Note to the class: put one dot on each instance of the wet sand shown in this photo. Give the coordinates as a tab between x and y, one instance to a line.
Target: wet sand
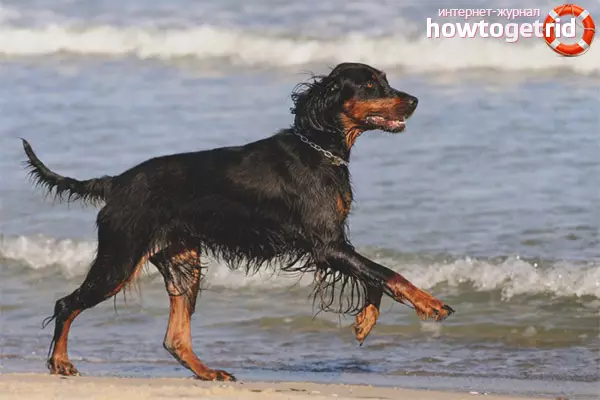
38	386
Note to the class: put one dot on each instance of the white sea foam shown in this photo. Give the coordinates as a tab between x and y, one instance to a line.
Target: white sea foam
249	48
72	257
512	276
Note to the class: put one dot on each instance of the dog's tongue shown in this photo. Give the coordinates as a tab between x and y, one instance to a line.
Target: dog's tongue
396	123
388	123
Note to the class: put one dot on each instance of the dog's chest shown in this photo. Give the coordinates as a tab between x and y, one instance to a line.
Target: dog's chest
343	204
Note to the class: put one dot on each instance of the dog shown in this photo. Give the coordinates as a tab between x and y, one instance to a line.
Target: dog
282	201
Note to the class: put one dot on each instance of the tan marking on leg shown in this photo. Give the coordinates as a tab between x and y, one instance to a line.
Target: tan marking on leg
187	255
426	306
178	338
133	276
367	318
364	322
59	363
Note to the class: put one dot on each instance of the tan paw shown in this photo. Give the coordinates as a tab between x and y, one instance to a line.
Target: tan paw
216	375
364	322
429	307
62	367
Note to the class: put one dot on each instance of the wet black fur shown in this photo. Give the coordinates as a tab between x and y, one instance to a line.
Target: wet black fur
270	202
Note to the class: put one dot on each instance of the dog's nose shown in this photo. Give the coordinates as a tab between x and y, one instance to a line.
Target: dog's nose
411	103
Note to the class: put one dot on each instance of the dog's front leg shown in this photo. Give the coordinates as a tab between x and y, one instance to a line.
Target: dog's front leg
367	318
345	259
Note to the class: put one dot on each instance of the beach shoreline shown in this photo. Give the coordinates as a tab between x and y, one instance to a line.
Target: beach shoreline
40	386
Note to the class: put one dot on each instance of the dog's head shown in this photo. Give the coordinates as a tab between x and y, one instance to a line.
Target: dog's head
352	99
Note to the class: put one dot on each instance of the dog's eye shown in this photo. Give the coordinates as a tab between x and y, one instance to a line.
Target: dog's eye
370	85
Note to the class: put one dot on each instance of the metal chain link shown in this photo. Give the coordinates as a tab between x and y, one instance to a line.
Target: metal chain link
334	159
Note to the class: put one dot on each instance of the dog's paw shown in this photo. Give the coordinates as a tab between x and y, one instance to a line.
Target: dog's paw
428	307
62	367
224	376
364	322
216	375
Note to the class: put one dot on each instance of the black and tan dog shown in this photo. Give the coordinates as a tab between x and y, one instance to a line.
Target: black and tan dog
279	201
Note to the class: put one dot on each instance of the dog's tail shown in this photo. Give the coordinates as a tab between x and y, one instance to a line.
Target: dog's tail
92	191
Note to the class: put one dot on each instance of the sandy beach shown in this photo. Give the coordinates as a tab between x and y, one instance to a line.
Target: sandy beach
38	386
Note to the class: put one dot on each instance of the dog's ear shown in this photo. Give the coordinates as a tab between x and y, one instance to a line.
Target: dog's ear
315	102
332	94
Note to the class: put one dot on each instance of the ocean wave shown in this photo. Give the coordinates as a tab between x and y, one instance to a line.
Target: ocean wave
510	275
8	14
259	49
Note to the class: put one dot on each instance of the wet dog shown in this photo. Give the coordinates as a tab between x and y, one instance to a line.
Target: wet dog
282	201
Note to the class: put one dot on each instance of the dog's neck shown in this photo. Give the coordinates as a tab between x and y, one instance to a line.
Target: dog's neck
330	140
337	138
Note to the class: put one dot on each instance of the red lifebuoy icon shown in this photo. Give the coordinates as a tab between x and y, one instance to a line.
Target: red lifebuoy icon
589	30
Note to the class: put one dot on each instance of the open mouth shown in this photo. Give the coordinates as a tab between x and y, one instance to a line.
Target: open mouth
387	124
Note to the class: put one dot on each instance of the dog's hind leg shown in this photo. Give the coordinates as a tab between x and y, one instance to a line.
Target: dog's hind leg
182	272
115	265
367	318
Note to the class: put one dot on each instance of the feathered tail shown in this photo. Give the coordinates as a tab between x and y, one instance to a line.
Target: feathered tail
91	191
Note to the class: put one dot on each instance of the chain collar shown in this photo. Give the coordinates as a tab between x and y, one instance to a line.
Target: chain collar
335	160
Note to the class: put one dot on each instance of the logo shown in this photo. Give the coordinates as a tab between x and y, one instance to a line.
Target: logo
563	35
552	31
